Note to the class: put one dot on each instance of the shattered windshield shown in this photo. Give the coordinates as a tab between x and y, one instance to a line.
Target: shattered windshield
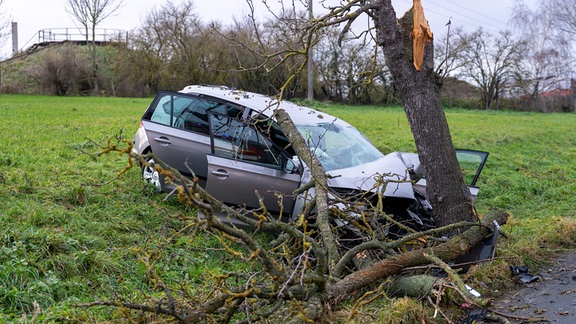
337	146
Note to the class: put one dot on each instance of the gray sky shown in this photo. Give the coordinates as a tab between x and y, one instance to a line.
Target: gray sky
34	15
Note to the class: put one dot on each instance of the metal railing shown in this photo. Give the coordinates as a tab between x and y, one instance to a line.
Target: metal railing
78	34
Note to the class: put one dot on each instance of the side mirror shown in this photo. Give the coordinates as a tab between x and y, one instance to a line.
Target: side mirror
292	165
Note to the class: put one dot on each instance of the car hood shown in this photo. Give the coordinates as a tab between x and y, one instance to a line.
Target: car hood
390	170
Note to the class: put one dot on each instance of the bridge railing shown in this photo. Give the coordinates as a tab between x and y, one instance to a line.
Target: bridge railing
79	34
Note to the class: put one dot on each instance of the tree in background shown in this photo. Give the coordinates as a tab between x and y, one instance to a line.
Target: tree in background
490	62
3	24
448	64
548	51
351	70
175	48
565	13
89	13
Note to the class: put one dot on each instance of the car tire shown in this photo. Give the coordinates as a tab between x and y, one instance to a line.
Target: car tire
151	175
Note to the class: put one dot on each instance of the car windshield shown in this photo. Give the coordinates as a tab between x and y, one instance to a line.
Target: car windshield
337	146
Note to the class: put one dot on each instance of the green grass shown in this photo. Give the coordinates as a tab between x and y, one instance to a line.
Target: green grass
66	239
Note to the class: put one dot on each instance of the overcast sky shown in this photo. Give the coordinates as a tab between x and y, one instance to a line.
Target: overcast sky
34	15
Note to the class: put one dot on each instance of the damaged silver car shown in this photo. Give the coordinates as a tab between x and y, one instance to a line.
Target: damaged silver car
230	141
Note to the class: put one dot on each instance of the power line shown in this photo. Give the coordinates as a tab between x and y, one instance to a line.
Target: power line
439	14
476	12
468	19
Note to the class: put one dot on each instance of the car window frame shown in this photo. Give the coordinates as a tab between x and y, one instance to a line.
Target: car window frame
149	113
482	155
246	122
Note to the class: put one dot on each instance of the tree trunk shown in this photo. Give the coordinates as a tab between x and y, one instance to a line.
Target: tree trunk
420	94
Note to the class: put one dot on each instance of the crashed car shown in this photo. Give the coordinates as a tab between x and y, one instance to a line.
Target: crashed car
230	141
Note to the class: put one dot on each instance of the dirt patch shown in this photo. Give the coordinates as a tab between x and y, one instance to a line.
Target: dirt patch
551	299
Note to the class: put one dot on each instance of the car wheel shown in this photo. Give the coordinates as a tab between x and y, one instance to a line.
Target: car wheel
151	175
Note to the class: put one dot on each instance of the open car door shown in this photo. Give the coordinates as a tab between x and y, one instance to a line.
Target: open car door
243	162
471	163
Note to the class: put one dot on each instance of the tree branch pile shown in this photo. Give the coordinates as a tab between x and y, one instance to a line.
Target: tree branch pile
305	269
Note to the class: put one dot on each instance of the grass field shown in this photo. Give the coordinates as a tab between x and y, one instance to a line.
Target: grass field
71	233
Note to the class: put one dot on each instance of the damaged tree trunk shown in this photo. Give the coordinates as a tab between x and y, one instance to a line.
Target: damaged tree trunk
420	94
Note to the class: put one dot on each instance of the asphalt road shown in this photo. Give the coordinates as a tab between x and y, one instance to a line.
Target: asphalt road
552	299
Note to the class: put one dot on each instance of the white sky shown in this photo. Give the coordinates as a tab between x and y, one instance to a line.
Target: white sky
34	15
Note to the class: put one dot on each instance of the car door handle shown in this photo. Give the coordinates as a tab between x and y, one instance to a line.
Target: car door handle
163	140
221	174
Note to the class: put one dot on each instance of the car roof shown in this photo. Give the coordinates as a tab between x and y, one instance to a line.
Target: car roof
266	105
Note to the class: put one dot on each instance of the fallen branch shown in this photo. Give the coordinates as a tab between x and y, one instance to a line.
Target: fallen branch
448	251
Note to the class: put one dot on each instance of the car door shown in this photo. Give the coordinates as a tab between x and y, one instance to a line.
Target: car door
177	128
244	161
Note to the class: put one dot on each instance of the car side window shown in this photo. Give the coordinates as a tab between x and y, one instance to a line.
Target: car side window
273	132
163	111
226	110
235	139
190	114
182	111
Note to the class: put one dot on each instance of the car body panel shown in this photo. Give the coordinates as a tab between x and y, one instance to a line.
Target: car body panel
367	177
236	182
179	148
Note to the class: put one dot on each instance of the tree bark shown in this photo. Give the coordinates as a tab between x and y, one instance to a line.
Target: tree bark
420	94
418	286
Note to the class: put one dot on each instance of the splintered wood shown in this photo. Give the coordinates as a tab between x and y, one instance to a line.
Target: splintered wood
421	34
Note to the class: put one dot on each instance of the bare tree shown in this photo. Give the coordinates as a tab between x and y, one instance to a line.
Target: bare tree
448	62
349	70
547	56
564	13
490	62
90	13
4	24
446	50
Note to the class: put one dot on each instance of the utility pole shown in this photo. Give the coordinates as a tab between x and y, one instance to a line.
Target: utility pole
14	38
310	58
